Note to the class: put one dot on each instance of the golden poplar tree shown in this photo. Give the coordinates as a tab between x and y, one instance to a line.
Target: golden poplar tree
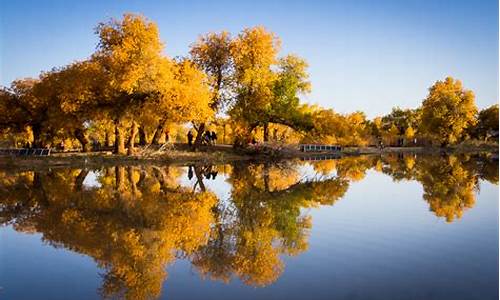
448	111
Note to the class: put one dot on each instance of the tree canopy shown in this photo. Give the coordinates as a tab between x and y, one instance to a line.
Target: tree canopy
448	111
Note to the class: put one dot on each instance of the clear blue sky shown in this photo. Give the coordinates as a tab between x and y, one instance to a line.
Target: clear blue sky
363	55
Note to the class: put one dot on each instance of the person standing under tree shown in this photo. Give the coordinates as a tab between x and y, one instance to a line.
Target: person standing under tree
214	137
208	138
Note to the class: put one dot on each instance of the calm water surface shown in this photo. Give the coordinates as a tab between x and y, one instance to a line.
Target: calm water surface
391	227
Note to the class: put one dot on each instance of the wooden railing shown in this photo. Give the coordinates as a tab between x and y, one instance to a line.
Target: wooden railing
26	152
321	157
319	148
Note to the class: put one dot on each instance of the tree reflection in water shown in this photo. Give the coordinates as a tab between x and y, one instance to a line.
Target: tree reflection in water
136	220
449	182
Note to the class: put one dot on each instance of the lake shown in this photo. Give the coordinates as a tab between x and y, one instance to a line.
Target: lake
367	227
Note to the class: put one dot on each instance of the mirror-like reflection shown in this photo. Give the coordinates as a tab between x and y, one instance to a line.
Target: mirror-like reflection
136	220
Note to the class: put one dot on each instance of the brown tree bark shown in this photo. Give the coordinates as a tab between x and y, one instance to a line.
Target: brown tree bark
199	135
120	178
108	171
142	136
37	136
266	176
107	139
158	133
161	177
266	132
199	178
83	139
119	139
142	179
133	185
80	179
131	141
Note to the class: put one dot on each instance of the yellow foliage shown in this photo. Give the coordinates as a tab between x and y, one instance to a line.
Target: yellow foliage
448	111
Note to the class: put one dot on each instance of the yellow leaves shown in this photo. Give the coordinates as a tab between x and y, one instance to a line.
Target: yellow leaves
131	237
409	162
255	49
128	79
70	216
212	52
325	167
257	262
190	94
272	178
131	240
409	133
487	122
393	131
447	111
448	186
333	128
296	67
254	52
130	53
129	49
73	86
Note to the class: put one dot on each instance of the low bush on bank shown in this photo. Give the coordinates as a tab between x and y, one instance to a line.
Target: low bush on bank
273	150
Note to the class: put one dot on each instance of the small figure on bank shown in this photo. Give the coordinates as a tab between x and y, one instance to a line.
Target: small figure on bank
208	137
379	143
190	138
190	172
214	137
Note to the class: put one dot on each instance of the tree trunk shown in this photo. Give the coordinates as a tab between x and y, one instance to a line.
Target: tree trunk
224	134
142	136
142	179
37	136
199	135
120	178
199	178
80	179
266	177
266	132
107	138
108	171
158	133
82	138
119	139
131	141
161	177
133	185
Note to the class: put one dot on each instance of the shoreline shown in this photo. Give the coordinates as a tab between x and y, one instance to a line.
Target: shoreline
459	149
216	155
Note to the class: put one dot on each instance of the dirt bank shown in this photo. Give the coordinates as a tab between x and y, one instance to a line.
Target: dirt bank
219	154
